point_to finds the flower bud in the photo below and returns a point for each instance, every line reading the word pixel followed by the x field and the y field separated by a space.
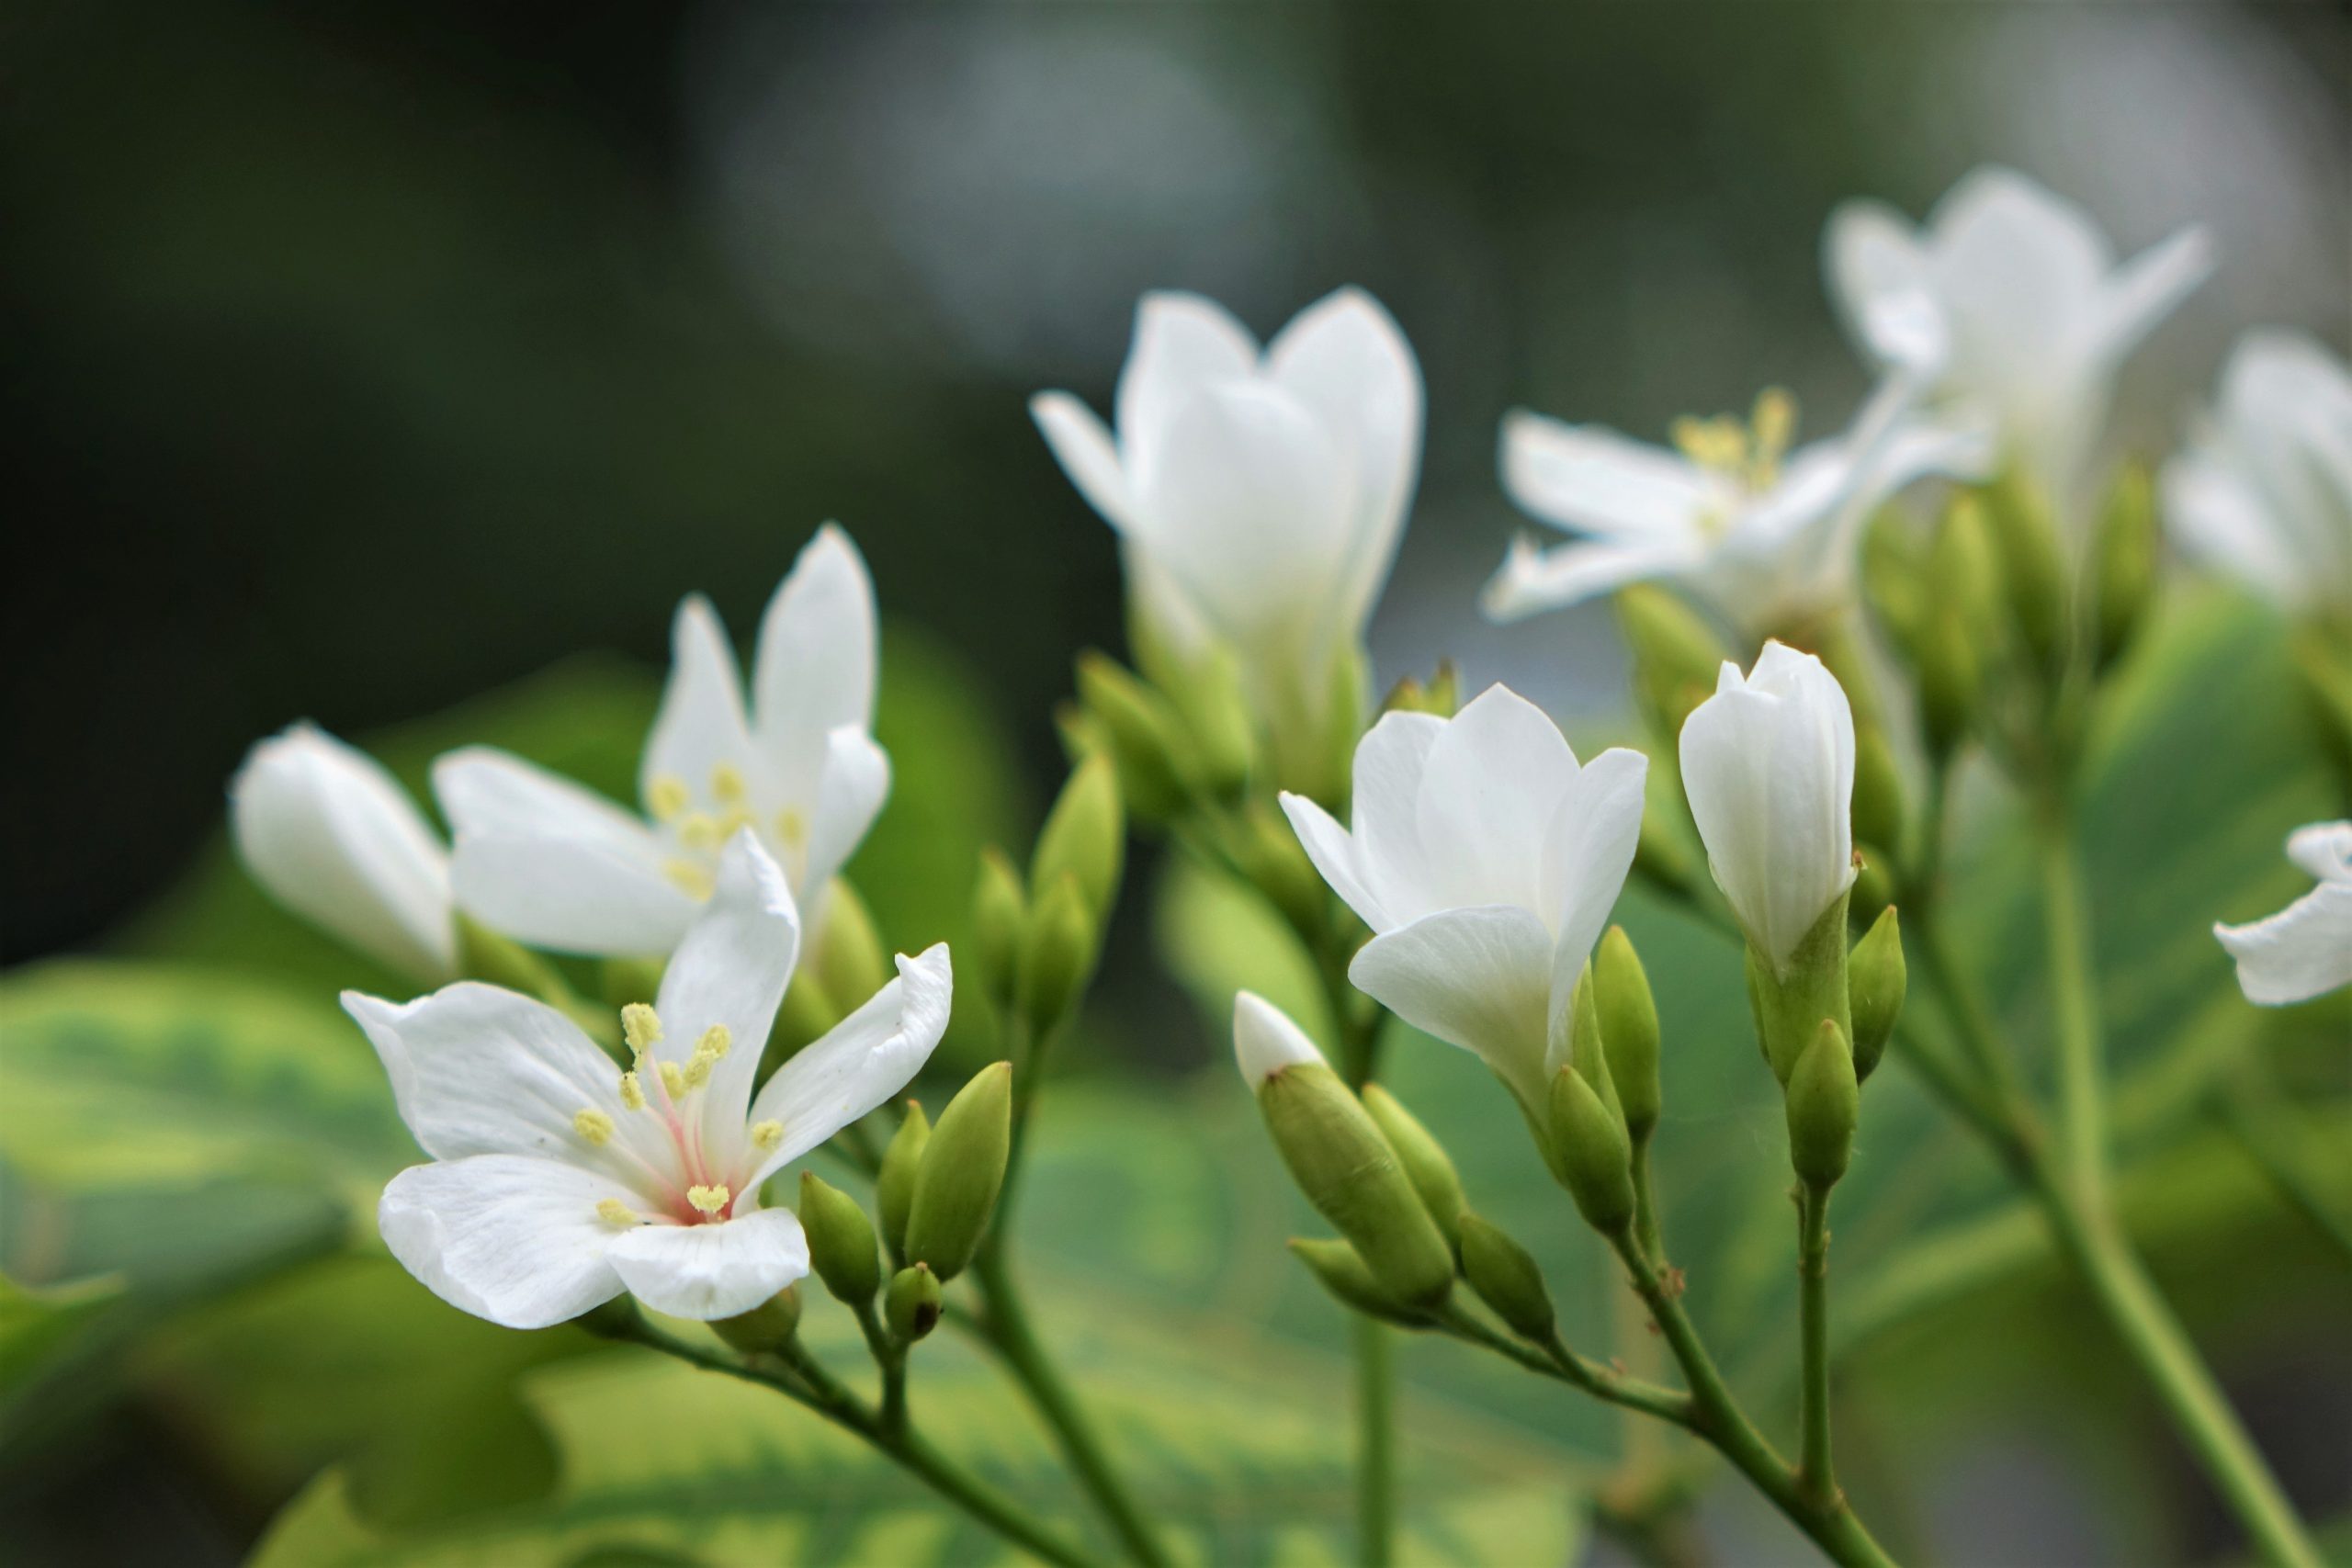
pixel 1627 1015
pixel 1338 1156
pixel 1216 712
pixel 1145 735
pixel 999 916
pixel 1058 953
pixel 1675 654
pixel 1586 1048
pixel 1824 1101
pixel 1595 1161
pixel 1893 566
pixel 1964 566
pixel 1441 695
pixel 841 1241
pixel 2125 566
pixel 767 1326
pixel 2033 578
pixel 1427 1165
pixel 1507 1278
pixel 894 1184
pixel 962 1168
pixel 1875 979
pixel 1790 1003
pixel 1341 1270
pixel 850 960
pixel 912 1304
pixel 1952 681
pixel 1085 836
pixel 1878 788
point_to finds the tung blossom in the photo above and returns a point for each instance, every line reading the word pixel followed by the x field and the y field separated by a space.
pixel 559 1181
pixel 329 833
pixel 1259 496
pixel 2304 950
pixel 2264 490
pixel 1485 860
pixel 2034 311
pixel 559 867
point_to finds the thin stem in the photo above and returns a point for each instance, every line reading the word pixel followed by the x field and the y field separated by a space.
pixel 1814 1472
pixel 1376 1440
pixel 890 1357
pixel 2082 1094
pixel 1555 1360
pixel 1646 1229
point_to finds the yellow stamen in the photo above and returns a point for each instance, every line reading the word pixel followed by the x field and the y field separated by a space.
pixel 737 818
pixel 666 797
pixel 726 783
pixel 715 1041
pixel 791 828
pixel 687 877
pixel 711 1200
pixel 632 1092
pixel 697 1071
pixel 766 1135
pixel 640 1026
pixel 594 1126
pixel 613 1212
pixel 672 1080
pixel 697 830
pixel 1772 424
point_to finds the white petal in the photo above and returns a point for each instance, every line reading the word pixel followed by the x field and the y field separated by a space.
pixel 553 865
pixel 1880 282
pixel 478 1070
pixel 1085 449
pixel 1265 1041
pixel 1493 777
pixel 1335 857
pixel 1182 344
pixel 511 1239
pixel 2223 520
pixel 816 662
pixel 2019 266
pixel 1385 806
pixel 2324 849
pixel 730 970
pixel 1478 978
pixel 701 723
pixel 861 1061
pixel 331 835
pixel 1589 479
pixel 1587 852
pixel 850 792
pixel 2142 292
pixel 715 1270
pixel 1532 579
pixel 2304 950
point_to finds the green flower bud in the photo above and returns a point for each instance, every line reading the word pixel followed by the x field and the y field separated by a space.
pixel 1507 1278
pixel 1349 1172
pixel 1441 695
pixel 894 1185
pixel 1875 979
pixel 850 959
pixel 841 1241
pixel 1217 711
pixel 1628 1020
pixel 1056 953
pixel 1342 1271
pixel 962 1168
pixel 1587 1048
pixel 999 916
pixel 1893 566
pixel 2033 578
pixel 1085 835
pixel 1965 568
pixel 807 1012
pixel 1824 1101
pixel 912 1304
pixel 1878 788
pixel 1145 734
pixel 1790 1006
pixel 1676 655
pixel 1427 1165
pixel 1952 681
pixel 767 1326
pixel 2125 566
pixel 1595 1159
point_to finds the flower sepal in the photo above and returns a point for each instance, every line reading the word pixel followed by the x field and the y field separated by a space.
pixel 1342 1271
pixel 961 1172
pixel 767 1327
pixel 1823 1102
pixel 1791 1001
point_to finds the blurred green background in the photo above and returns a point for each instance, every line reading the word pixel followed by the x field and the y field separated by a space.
pixel 365 358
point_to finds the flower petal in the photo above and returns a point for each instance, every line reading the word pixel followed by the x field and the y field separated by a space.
pixel 1588 849
pixel 850 793
pixel 1265 1041
pixel 1385 806
pixel 2223 520
pixel 1882 282
pixel 505 1237
pixel 1182 344
pixel 1478 978
pixel 1532 579
pixel 861 1061
pixel 2324 849
pixel 1589 479
pixel 2142 292
pixel 731 971
pixel 1083 446
pixel 711 1272
pixel 1335 856
pixel 2303 951
pixel 815 666
pixel 1493 777
pixel 701 723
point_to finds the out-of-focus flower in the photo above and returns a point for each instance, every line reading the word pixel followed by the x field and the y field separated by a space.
pixel 1485 860
pixel 1259 496
pixel 549 862
pixel 2304 950
pixel 1766 535
pixel 1767 763
pixel 2035 313
pixel 331 836
pixel 2264 490
pixel 559 1182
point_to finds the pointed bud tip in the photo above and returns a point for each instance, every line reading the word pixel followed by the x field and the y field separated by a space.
pixel 1265 1041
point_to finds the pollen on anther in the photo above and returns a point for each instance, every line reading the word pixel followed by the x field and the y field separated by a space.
pixel 715 1041
pixel 766 1135
pixel 666 797
pixel 791 828
pixel 711 1200
pixel 632 1092
pixel 672 1079
pixel 726 783
pixel 699 830
pixel 687 878
pixel 640 1026
pixel 613 1212
pixel 697 1071
pixel 594 1126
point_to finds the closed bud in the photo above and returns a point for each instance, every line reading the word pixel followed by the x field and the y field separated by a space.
pixel 1145 735
pixel 1627 1015
pixel 1441 695
pixel 1952 681
pixel 999 917
pixel 1878 788
pixel 1507 1278
pixel 768 1326
pixel 1217 710
pixel 841 1241
pixel 962 1168
pixel 1675 654
pixel 1824 1101
pixel 1893 562
pixel 912 1304
pixel 1596 1163
pixel 1875 980
pixel 1586 1047
pixel 850 959
pixel 2124 570
pixel 1056 953
pixel 1964 566
pixel 894 1184
pixel 1427 1165
pixel 1085 836
pixel 1791 1003
pixel 1342 1271
pixel 2033 578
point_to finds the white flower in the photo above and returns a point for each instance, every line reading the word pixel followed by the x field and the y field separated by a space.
pixel 1765 535
pixel 2264 493
pixel 558 867
pixel 1486 861
pixel 1767 763
pixel 559 1181
pixel 1265 1041
pixel 2035 314
pixel 331 836
pixel 1259 496
pixel 2304 950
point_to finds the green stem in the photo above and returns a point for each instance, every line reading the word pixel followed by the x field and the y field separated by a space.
pixel 1716 1416
pixel 1816 1474
pixel 1646 1229
pixel 2082 1095
pixel 1376 1439
pixel 1555 1360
